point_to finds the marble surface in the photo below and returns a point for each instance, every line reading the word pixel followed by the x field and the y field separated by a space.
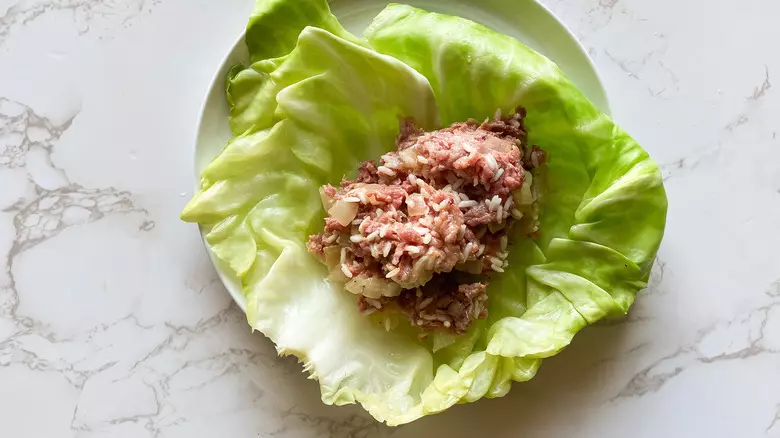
pixel 112 321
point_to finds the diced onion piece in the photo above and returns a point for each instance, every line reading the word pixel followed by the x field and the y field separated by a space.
pixel 409 157
pixel 337 275
pixel 416 206
pixel 496 144
pixel 343 212
pixel 391 161
pixel 327 201
pixel 372 287
pixel 332 257
pixel 422 272
pixel 524 195
pixel 471 266
pixel 495 227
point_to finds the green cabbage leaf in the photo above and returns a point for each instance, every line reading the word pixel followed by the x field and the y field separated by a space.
pixel 317 100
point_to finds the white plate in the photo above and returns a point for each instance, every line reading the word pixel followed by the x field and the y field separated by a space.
pixel 526 20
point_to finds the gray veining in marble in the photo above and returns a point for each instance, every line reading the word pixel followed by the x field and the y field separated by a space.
pixel 113 323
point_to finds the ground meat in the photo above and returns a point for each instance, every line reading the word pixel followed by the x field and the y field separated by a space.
pixel 478 215
pixel 443 304
pixel 441 203
pixel 316 244
pixel 366 174
pixel 410 247
pixel 478 162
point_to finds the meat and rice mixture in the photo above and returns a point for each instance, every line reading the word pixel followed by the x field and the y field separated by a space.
pixel 420 231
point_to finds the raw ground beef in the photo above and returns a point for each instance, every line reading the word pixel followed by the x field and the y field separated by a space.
pixel 420 230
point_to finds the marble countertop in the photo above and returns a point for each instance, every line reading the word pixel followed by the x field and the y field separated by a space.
pixel 112 320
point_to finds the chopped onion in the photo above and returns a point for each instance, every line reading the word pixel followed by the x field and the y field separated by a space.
pixel 471 266
pixel 332 257
pixel 337 275
pixel 496 144
pixel 494 227
pixel 372 287
pixel 524 195
pixel 343 212
pixel 416 206
pixel 409 157
pixel 421 273
pixel 327 201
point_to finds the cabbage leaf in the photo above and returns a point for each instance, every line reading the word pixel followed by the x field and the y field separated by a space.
pixel 316 101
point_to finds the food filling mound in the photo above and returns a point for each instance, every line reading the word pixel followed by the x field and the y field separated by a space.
pixel 421 231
